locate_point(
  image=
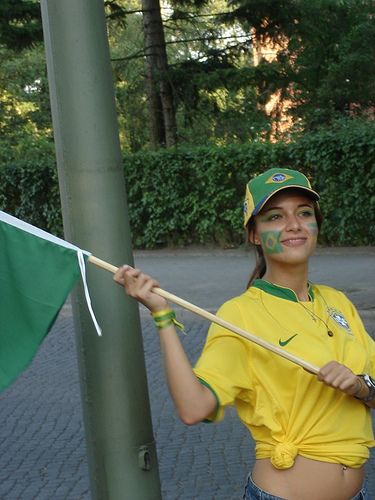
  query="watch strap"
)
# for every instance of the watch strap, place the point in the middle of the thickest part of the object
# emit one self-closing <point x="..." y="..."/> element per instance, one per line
<point x="370" y="383"/>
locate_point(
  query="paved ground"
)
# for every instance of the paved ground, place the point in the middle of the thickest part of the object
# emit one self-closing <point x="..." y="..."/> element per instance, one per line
<point x="42" y="449"/>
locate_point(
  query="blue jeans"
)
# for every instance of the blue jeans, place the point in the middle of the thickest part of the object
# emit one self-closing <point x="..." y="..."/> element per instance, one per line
<point x="252" y="492"/>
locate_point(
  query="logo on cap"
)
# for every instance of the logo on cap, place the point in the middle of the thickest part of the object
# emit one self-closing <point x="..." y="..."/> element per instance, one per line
<point x="278" y="178"/>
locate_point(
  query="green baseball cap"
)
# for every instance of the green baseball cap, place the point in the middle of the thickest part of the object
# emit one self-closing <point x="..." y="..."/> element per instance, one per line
<point x="262" y="187"/>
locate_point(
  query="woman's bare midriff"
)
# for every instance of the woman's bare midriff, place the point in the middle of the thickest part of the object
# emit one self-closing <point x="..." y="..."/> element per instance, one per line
<point x="308" y="480"/>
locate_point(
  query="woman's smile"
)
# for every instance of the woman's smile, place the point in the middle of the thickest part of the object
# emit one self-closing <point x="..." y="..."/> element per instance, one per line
<point x="296" y="241"/>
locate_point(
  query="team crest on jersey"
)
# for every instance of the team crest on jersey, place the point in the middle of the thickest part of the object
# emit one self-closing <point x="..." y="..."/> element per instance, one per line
<point x="339" y="318"/>
<point x="278" y="178"/>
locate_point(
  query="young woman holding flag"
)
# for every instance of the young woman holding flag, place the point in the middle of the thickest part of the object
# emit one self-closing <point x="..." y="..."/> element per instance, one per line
<point x="312" y="432"/>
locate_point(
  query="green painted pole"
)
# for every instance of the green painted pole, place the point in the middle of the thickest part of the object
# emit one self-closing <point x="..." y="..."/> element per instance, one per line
<point x="121" y="448"/>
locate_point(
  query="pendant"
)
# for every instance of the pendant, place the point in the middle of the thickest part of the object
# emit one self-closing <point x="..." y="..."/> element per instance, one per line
<point x="330" y="333"/>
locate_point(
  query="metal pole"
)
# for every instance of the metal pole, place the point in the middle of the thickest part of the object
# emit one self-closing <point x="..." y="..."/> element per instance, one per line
<point x="121" y="447"/>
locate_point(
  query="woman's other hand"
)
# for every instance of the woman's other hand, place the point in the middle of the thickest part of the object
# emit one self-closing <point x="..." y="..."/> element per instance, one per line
<point x="340" y="377"/>
<point x="139" y="286"/>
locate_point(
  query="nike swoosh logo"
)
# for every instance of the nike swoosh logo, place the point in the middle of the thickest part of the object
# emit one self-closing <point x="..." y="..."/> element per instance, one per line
<point x="283" y="343"/>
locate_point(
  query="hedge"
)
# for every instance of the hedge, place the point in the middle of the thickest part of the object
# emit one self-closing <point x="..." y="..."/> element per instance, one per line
<point x="343" y="164"/>
<point x="30" y="191"/>
<point x="189" y="196"/>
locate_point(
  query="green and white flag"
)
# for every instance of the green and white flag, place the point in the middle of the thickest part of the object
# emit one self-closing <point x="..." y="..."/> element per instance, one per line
<point x="37" y="272"/>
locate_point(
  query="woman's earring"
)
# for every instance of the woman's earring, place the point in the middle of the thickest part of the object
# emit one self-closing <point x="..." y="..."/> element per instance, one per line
<point x="254" y="239"/>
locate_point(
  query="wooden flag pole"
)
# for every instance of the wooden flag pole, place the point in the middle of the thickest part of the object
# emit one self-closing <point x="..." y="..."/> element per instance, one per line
<point x="215" y="319"/>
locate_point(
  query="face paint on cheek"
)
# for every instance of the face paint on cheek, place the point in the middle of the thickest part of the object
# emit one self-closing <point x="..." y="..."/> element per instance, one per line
<point x="313" y="226"/>
<point x="271" y="242"/>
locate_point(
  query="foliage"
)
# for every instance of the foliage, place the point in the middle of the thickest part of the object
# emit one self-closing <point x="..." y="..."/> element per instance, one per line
<point x="219" y="104"/>
<point x="212" y="77"/>
<point x="204" y="187"/>
<point x="20" y="23"/>
<point x="185" y="196"/>
<point x="333" y="71"/>
<point x="126" y="45"/>
<point x="342" y="159"/>
<point x="190" y="196"/>
<point x="323" y="70"/>
<point x="29" y="190"/>
<point x="274" y="20"/>
<point x="25" y="120"/>
<point x="326" y="70"/>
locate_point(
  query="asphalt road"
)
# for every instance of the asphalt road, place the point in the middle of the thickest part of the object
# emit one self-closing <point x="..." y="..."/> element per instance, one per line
<point x="208" y="277"/>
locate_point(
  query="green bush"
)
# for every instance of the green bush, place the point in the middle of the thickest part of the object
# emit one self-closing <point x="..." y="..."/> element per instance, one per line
<point x="342" y="160"/>
<point x="179" y="197"/>
<point x="186" y="196"/>
<point x="30" y="192"/>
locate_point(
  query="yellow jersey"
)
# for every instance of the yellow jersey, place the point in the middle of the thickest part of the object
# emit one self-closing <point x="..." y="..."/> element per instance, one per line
<point x="286" y="409"/>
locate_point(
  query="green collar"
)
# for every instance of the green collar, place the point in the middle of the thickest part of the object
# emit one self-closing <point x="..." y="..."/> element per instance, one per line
<point x="281" y="291"/>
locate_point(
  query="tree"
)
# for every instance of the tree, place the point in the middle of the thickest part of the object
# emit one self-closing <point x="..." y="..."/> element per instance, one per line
<point x="20" y="23"/>
<point x="213" y="69"/>
<point x="213" y="93"/>
<point x="161" y="103"/>
<point x="25" y="119"/>
<point x="212" y="74"/>
<point x="127" y="55"/>
<point x="333" y="73"/>
<point x="321" y="65"/>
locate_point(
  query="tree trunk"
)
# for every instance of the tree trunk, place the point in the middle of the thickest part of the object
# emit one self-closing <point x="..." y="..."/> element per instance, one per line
<point x="161" y="105"/>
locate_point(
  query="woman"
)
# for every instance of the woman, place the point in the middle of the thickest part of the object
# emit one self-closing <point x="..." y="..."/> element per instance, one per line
<point x="312" y="433"/>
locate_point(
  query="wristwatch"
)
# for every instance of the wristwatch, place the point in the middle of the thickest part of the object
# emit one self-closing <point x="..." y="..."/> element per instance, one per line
<point x="370" y="382"/>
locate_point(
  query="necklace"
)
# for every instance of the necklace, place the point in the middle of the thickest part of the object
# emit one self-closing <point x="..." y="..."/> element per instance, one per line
<point x="312" y="314"/>
<point x="315" y="317"/>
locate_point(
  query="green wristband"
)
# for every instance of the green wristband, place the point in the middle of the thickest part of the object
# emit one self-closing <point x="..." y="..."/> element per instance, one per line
<point x="165" y="318"/>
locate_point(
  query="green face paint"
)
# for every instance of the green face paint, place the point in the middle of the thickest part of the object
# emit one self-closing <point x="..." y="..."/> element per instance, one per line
<point x="271" y="242"/>
<point x="268" y="216"/>
<point x="313" y="227"/>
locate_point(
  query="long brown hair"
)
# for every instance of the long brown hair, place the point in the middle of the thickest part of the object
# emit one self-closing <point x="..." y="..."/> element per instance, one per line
<point x="260" y="262"/>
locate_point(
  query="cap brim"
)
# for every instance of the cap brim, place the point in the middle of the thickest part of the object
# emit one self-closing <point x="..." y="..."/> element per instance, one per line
<point x="314" y="195"/>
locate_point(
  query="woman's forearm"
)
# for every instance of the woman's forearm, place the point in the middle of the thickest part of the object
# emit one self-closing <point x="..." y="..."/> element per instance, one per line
<point x="193" y="401"/>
